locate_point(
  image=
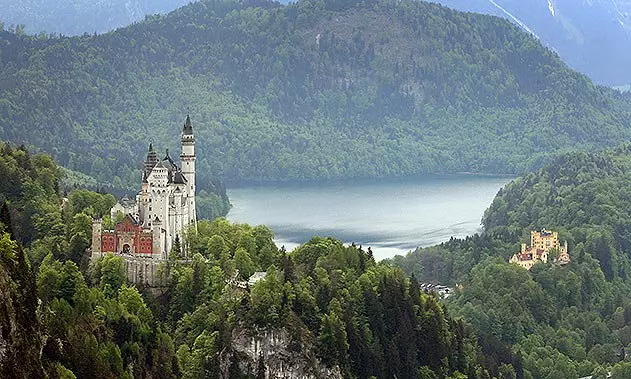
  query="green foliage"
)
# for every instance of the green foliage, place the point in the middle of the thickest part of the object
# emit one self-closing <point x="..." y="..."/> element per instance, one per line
<point x="266" y="300"/>
<point x="621" y="370"/>
<point x="29" y="183"/>
<point x="334" y="301"/>
<point x="21" y="336"/>
<point x="211" y="205"/>
<point x="108" y="273"/>
<point x="331" y="305"/>
<point x="565" y="321"/>
<point x="333" y="340"/>
<point x="315" y="89"/>
<point x="91" y="203"/>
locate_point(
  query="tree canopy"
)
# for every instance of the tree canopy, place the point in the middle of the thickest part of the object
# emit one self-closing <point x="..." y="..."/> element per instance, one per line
<point x="564" y="321"/>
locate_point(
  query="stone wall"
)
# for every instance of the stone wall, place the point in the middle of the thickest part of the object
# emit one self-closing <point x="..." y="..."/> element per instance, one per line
<point x="142" y="271"/>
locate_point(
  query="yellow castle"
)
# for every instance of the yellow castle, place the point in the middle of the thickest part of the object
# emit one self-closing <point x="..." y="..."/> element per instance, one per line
<point x="541" y="243"/>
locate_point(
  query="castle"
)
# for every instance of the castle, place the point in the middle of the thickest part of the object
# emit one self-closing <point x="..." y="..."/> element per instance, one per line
<point x="541" y="243"/>
<point x="164" y="207"/>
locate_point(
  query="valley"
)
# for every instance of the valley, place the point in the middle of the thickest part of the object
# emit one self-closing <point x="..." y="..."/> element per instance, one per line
<point x="296" y="168"/>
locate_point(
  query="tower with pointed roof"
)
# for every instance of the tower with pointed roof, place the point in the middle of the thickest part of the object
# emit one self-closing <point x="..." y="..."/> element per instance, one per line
<point x="187" y="158"/>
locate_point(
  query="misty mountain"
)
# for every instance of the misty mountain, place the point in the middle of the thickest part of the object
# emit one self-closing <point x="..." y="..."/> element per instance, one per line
<point x="75" y="17"/>
<point x="311" y="90"/>
<point x="592" y="36"/>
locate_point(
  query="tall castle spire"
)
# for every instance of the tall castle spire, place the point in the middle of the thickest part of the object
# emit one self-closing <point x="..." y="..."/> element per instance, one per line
<point x="187" y="158"/>
<point x="150" y="163"/>
<point x="188" y="128"/>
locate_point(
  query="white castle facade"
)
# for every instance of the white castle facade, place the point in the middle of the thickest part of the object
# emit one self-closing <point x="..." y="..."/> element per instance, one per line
<point x="164" y="208"/>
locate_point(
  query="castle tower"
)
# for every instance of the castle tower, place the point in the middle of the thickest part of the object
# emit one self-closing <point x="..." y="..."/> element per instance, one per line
<point x="187" y="159"/>
<point x="143" y="199"/>
<point x="151" y="161"/>
<point x="158" y="239"/>
<point x="97" y="227"/>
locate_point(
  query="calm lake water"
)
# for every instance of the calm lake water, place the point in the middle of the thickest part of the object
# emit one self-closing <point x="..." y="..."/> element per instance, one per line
<point x="392" y="216"/>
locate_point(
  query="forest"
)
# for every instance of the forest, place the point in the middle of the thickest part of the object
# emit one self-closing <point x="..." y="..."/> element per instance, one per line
<point x="310" y="90"/>
<point x="340" y="312"/>
<point x="563" y="321"/>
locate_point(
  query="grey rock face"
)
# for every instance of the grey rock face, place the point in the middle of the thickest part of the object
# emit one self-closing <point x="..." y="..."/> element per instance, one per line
<point x="274" y="352"/>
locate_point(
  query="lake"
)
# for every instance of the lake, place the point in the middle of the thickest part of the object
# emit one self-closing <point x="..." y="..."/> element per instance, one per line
<point x="392" y="216"/>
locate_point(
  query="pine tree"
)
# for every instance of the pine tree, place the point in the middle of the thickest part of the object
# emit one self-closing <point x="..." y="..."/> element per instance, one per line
<point x="176" y="249"/>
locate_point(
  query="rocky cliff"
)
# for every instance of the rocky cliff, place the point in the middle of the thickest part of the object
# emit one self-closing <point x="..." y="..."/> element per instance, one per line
<point x="275" y="354"/>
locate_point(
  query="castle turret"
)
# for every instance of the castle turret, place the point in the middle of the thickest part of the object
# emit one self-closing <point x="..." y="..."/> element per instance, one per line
<point x="187" y="158"/>
<point x="143" y="199"/>
<point x="158" y="239"/>
<point x="97" y="227"/>
<point x="150" y="162"/>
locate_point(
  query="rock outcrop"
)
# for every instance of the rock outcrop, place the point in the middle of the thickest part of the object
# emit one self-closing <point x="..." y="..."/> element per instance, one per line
<point x="275" y="354"/>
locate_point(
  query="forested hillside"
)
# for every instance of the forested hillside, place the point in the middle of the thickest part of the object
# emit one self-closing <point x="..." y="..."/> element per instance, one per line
<point x="316" y="89"/>
<point x="565" y="321"/>
<point x="75" y="17"/>
<point x="331" y="310"/>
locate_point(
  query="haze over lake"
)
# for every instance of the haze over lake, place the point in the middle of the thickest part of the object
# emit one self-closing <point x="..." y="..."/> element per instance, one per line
<point x="392" y="216"/>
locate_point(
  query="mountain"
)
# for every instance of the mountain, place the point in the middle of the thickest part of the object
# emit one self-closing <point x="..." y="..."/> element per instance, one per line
<point x="75" y="17"/>
<point x="309" y="90"/>
<point x="592" y="36"/>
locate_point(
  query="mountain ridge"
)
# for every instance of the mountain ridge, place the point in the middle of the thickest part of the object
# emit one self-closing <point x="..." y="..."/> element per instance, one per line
<point x="76" y="17"/>
<point x="594" y="37"/>
<point x="311" y="90"/>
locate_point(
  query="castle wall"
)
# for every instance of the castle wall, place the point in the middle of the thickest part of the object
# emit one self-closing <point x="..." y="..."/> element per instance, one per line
<point x="142" y="271"/>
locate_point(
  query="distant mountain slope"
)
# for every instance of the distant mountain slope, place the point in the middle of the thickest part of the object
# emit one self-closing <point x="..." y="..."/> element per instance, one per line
<point x="592" y="36"/>
<point x="305" y="91"/>
<point x="75" y="17"/>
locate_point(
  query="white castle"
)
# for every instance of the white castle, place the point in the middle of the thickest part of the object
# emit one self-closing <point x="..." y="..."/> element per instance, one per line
<point x="164" y="207"/>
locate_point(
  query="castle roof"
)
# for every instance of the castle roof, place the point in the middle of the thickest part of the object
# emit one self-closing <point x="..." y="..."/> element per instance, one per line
<point x="530" y="254"/>
<point x="126" y="202"/>
<point x="150" y="162"/>
<point x="168" y="162"/>
<point x="188" y="128"/>
<point x="159" y="165"/>
<point x="178" y="178"/>
<point x="175" y="174"/>
<point x="131" y="218"/>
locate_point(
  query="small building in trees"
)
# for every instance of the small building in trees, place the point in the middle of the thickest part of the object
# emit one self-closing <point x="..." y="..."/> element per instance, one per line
<point x="542" y="244"/>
